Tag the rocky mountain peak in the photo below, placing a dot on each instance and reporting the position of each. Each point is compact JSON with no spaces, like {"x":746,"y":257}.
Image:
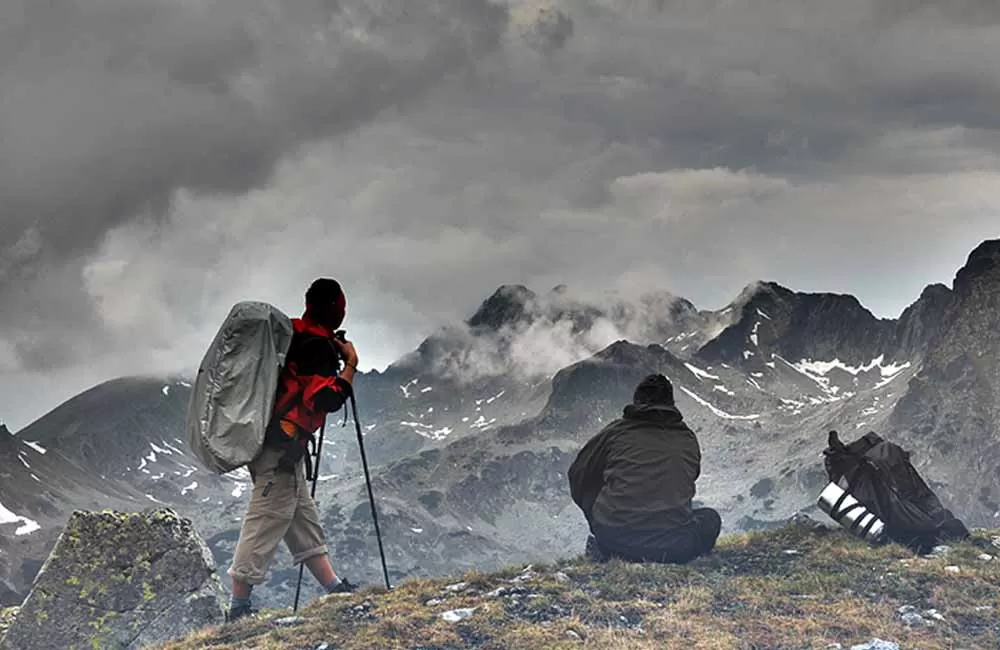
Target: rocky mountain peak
{"x":761,"y":291}
{"x":757,"y":297}
{"x":767,"y":318}
{"x":934,"y":292}
{"x":7,"y":438}
{"x":664,"y":303}
{"x":983,"y":262}
{"x":922,"y":321}
{"x":604,"y":383}
{"x":508,"y":305}
{"x":624,"y":352}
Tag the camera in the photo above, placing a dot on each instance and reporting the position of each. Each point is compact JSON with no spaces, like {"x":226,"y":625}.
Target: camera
{"x":340,"y":335}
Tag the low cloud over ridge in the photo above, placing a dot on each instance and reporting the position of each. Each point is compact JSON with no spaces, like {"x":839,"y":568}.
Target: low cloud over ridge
{"x":169,"y":159}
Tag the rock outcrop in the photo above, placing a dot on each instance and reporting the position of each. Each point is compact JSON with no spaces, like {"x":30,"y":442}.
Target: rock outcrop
{"x":7,"y":616}
{"x":120,"y":581}
{"x":949,"y":415}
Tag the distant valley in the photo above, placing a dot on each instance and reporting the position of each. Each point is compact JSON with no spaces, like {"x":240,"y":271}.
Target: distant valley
{"x":469,"y":435}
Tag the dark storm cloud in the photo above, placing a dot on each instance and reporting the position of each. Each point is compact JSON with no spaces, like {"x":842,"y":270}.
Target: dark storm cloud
{"x":166,"y":160}
{"x":110,"y":107}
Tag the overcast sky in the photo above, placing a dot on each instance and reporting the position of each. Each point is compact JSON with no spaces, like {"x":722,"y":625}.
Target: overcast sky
{"x":162,"y":159}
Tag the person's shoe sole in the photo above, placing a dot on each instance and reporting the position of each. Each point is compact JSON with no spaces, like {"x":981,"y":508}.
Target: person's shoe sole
{"x":232,"y":618}
{"x":343,"y":588}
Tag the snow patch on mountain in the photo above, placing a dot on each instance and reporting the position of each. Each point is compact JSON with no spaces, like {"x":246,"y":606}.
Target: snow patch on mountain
{"x":34,"y":445}
{"x":890,"y":373}
{"x":405,"y":388}
{"x":172,"y":448}
{"x":698,"y":372}
{"x":428,"y":430}
{"x":240,"y":473}
{"x":27,"y":526}
{"x":820,"y":369}
{"x":716,"y":410}
{"x":721,"y":388}
{"x":792,"y":404}
{"x":482,"y":423}
{"x":160,"y":450}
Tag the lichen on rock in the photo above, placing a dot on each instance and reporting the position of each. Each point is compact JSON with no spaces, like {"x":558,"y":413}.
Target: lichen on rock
{"x":7,"y":616}
{"x":120,"y":581}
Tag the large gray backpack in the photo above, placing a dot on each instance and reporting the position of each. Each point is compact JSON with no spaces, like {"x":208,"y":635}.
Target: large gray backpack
{"x":234,"y":392}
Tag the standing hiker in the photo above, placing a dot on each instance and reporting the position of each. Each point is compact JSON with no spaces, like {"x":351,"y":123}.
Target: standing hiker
{"x":281,"y":507}
{"x":635,"y":481}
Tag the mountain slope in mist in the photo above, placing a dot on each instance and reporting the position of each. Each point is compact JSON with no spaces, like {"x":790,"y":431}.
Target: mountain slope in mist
{"x":469,"y":436}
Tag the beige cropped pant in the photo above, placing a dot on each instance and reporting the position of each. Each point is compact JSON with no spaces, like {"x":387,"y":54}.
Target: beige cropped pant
{"x":287,"y":512}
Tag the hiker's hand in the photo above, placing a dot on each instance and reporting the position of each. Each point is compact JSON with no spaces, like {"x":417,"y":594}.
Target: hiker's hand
{"x":347,"y":352}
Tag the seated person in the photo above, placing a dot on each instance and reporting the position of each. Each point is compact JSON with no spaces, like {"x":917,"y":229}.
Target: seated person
{"x":635,"y":481}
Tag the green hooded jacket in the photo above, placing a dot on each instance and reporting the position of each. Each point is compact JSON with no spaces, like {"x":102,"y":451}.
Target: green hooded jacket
{"x":635,"y":480}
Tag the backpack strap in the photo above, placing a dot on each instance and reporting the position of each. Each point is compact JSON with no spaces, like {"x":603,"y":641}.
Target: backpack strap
{"x":290,"y":404}
{"x":304,"y":444}
{"x":837,"y":513}
{"x":294,"y":448}
{"x":283,"y":409}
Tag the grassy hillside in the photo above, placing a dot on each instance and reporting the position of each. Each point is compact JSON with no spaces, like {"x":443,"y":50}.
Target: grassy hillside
{"x":796,"y":587}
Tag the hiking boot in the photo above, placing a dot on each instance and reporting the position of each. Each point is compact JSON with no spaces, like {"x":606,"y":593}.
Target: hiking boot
{"x":593,"y":550}
{"x":345,"y":587}
{"x":237,"y":613}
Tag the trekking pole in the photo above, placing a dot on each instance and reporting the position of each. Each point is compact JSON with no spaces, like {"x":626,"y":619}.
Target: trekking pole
{"x":371,"y":495}
{"x":315,"y":479}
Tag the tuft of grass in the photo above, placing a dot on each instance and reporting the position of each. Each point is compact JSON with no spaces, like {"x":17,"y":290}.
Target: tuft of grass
{"x":789,"y":588}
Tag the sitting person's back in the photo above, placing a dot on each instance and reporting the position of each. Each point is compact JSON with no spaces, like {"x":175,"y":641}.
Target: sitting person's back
{"x":635,"y":482}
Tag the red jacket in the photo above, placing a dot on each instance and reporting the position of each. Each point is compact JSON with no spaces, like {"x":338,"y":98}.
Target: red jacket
{"x":309,"y":387}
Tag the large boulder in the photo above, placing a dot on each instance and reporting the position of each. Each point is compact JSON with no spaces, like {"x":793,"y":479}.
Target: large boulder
{"x":120,"y":581}
{"x":7,"y":615}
